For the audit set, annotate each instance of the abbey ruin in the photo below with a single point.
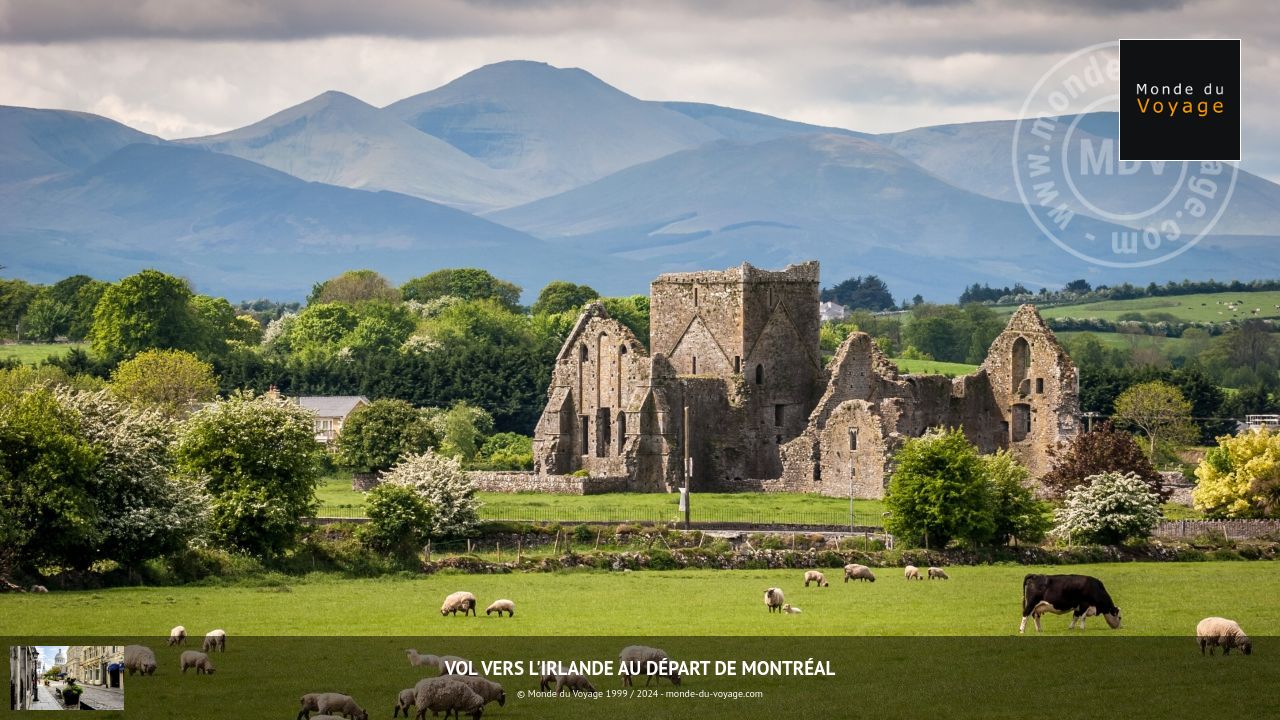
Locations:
(736, 354)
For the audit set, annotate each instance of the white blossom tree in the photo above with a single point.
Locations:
(447, 491)
(1109, 509)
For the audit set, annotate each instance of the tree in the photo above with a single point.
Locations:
(46, 318)
(939, 491)
(1017, 513)
(869, 293)
(464, 283)
(1159, 411)
(144, 311)
(257, 458)
(1240, 478)
(560, 296)
(1111, 509)
(377, 435)
(1104, 449)
(1078, 286)
(462, 430)
(353, 287)
(445, 490)
(320, 328)
(172, 381)
(506, 451)
(400, 520)
(15, 296)
(632, 311)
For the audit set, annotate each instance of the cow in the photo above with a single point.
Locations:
(1081, 595)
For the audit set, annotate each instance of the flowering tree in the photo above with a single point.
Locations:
(1110, 509)
(1241, 477)
(448, 494)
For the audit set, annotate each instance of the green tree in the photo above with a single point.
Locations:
(866, 293)
(447, 492)
(939, 492)
(144, 311)
(462, 430)
(1104, 449)
(377, 435)
(46, 318)
(632, 311)
(258, 460)
(464, 283)
(1159, 412)
(1109, 510)
(171, 381)
(1016, 511)
(353, 287)
(560, 296)
(400, 520)
(15, 296)
(506, 451)
(1240, 478)
(320, 328)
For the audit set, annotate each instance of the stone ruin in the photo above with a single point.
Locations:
(736, 352)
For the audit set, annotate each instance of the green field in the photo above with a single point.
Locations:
(33, 353)
(1204, 307)
(933, 367)
(1168, 346)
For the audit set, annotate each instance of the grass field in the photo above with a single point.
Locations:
(934, 367)
(1204, 307)
(1167, 346)
(33, 353)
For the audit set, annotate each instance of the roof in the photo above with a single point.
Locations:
(338, 406)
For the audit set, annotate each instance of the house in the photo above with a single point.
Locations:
(331, 412)
(828, 311)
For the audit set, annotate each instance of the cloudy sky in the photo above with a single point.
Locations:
(178, 68)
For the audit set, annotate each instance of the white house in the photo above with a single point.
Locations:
(331, 412)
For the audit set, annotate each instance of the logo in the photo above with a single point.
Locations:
(1082, 196)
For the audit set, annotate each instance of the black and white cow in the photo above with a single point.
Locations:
(1080, 595)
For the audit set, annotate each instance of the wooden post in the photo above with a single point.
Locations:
(556, 549)
(519, 549)
(428, 551)
(468, 546)
(598, 532)
(498, 546)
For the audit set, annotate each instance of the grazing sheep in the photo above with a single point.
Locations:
(858, 572)
(403, 702)
(215, 640)
(791, 609)
(773, 599)
(643, 655)
(815, 576)
(177, 636)
(447, 694)
(331, 704)
(911, 572)
(139, 659)
(197, 660)
(937, 573)
(461, 601)
(550, 674)
(39, 589)
(575, 684)
(1213, 632)
(501, 606)
(484, 687)
(418, 660)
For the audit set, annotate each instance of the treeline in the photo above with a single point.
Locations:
(1161, 324)
(1080, 291)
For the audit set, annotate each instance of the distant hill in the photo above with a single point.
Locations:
(39, 143)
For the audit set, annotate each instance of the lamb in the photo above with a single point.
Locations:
(501, 606)
(858, 572)
(1213, 632)
(911, 572)
(215, 640)
(139, 659)
(484, 687)
(773, 599)
(418, 660)
(815, 576)
(177, 636)
(447, 694)
(403, 703)
(575, 684)
(460, 601)
(791, 609)
(639, 656)
(937, 573)
(197, 660)
(331, 703)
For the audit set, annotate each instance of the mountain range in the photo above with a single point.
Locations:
(540, 173)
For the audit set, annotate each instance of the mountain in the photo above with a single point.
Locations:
(39, 143)
(335, 138)
(549, 129)
(240, 229)
(746, 126)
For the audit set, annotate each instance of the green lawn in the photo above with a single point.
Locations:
(1204, 307)
(934, 367)
(33, 353)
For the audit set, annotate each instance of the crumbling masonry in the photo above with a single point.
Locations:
(737, 353)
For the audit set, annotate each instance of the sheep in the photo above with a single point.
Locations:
(177, 636)
(330, 703)
(911, 572)
(858, 572)
(773, 599)
(633, 654)
(403, 703)
(550, 674)
(459, 601)
(197, 660)
(215, 640)
(501, 606)
(791, 609)
(139, 659)
(1213, 632)
(447, 694)
(417, 660)
(937, 573)
(484, 687)
(39, 589)
(817, 577)
(575, 684)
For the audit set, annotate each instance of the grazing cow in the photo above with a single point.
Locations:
(1080, 595)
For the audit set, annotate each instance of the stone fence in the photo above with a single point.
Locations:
(529, 481)
(1231, 529)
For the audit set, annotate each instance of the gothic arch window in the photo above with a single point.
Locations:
(759, 374)
(1020, 362)
(583, 354)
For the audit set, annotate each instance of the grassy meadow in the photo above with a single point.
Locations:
(933, 367)
(1202, 307)
(32, 353)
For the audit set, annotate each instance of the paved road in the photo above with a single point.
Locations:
(100, 698)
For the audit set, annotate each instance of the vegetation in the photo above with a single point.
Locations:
(464, 284)
(171, 381)
(560, 296)
(860, 293)
(1159, 412)
(1101, 450)
(444, 491)
(1111, 509)
(376, 436)
(1240, 478)
(940, 491)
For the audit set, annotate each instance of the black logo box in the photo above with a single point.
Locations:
(1187, 68)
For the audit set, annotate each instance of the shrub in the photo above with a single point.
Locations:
(1112, 508)
(399, 520)
(1016, 511)
(1105, 449)
(377, 435)
(939, 492)
(446, 491)
(506, 451)
(1241, 477)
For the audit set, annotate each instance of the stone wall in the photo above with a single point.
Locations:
(530, 481)
(1231, 529)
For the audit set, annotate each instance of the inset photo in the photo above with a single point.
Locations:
(66, 677)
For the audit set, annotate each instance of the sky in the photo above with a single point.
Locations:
(49, 652)
(179, 68)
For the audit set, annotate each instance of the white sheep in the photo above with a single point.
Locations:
(937, 573)
(39, 589)
(197, 660)
(139, 659)
(447, 694)
(177, 636)
(639, 656)
(403, 702)
(911, 572)
(574, 683)
(1213, 632)
(418, 660)
(484, 687)
(791, 609)
(501, 606)
(461, 601)
(815, 576)
(773, 599)
(331, 703)
(215, 640)
(854, 571)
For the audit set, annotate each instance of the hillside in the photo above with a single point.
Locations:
(1201, 307)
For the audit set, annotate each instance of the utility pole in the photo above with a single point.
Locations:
(688, 468)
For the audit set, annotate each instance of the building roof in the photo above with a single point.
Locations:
(332, 406)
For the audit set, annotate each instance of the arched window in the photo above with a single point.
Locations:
(759, 374)
(1020, 363)
(582, 353)
(622, 431)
